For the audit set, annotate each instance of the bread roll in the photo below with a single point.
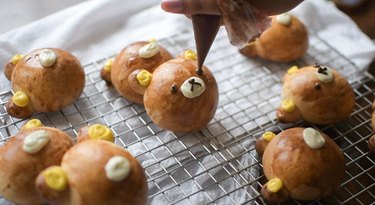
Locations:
(302, 163)
(44, 80)
(24, 156)
(94, 172)
(129, 62)
(178, 98)
(285, 41)
(317, 94)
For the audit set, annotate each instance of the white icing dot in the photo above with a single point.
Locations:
(325, 75)
(47, 57)
(149, 50)
(193, 87)
(117, 168)
(35, 141)
(285, 19)
(313, 138)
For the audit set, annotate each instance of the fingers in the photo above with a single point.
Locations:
(189, 7)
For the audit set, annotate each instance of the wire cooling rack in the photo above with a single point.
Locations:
(218, 165)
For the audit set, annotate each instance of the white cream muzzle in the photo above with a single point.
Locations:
(117, 168)
(35, 141)
(47, 57)
(313, 138)
(193, 87)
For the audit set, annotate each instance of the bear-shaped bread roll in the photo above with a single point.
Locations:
(285, 41)
(45, 80)
(179, 97)
(302, 163)
(317, 94)
(95, 171)
(25, 155)
(129, 62)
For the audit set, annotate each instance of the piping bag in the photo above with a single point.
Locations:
(243, 22)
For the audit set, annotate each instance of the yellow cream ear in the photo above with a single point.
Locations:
(190, 55)
(274, 191)
(288, 112)
(292, 70)
(19, 105)
(139, 80)
(53, 185)
(55, 178)
(100, 132)
(32, 123)
(262, 143)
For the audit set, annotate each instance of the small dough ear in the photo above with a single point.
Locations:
(262, 142)
(53, 185)
(139, 80)
(250, 50)
(9, 67)
(95, 132)
(371, 144)
(288, 112)
(19, 105)
(105, 72)
(274, 191)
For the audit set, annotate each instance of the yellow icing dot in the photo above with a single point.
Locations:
(190, 55)
(16, 58)
(268, 136)
(20, 99)
(33, 123)
(144, 78)
(108, 65)
(287, 105)
(274, 185)
(55, 178)
(152, 40)
(293, 69)
(101, 132)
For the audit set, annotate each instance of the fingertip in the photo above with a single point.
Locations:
(173, 6)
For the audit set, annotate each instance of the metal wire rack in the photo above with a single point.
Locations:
(218, 165)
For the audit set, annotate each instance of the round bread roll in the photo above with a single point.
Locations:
(44, 80)
(180, 98)
(129, 62)
(317, 94)
(24, 156)
(95, 172)
(302, 163)
(286, 40)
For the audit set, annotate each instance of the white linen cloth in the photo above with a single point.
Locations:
(96, 29)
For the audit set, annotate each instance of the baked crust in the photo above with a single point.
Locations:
(173, 111)
(318, 102)
(127, 61)
(306, 173)
(280, 43)
(19, 169)
(49, 89)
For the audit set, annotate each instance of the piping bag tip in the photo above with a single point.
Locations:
(206, 28)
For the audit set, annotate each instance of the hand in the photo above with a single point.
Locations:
(188, 7)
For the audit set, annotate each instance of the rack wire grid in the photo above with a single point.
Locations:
(218, 165)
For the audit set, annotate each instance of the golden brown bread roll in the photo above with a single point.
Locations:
(286, 40)
(44, 80)
(178, 98)
(94, 172)
(302, 163)
(317, 94)
(25, 155)
(129, 62)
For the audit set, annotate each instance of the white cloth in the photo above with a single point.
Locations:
(96, 29)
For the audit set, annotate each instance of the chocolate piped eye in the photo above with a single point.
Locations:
(174, 89)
